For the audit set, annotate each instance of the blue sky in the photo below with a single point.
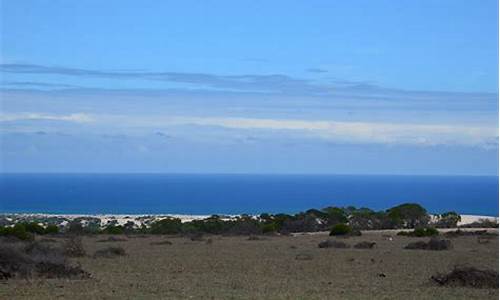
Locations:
(358, 87)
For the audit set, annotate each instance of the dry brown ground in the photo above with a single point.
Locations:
(238, 268)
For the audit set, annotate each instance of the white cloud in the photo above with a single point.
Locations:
(76, 117)
(335, 131)
(364, 132)
(329, 130)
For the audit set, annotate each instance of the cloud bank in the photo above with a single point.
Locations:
(328, 130)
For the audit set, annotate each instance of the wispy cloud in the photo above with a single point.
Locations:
(363, 132)
(267, 83)
(76, 117)
(316, 70)
(329, 130)
(37, 84)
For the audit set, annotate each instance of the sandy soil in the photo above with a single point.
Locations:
(238, 268)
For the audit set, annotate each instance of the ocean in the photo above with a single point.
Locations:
(236, 194)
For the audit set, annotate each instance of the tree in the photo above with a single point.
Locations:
(335, 215)
(409, 215)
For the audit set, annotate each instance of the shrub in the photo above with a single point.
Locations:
(365, 245)
(433, 244)
(436, 244)
(340, 229)
(429, 231)
(270, 228)
(468, 277)
(110, 252)
(212, 225)
(242, 226)
(161, 243)
(332, 244)
(36, 260)
(301, 223)
(14, 262)
(18, 231)
(75, 227)
(34, 228)
(73, 247)
(367, 219)
(51, 229)
(113, 229)
(166, 226)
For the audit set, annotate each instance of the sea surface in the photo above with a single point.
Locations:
(235, 194)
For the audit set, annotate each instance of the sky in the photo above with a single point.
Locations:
(302, 87)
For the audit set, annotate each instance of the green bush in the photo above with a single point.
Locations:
(340, 229)
(19, 231)
(429, 231)
(34, 228)
(166, 226)
(51, 229)
(113, 229)
(271, 227)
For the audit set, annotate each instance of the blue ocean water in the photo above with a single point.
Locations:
(232, 194)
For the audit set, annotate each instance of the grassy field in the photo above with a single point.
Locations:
(271, 267)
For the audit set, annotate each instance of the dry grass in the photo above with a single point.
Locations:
(236, 268)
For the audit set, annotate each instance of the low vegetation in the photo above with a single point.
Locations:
(332, 244)
(73, 247)
(459, 232)
(365, 245)
(483, 223)
(340, 229)
(34, 260)
(432, 244)
(468, 277)
(161, 243)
